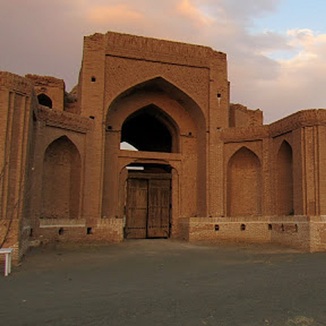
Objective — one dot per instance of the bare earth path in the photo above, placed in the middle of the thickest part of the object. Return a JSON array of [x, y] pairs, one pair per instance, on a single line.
[[161, 282]]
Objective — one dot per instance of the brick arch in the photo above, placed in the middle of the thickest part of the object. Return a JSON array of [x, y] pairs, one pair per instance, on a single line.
[[244, 184], [157, 86], [62, 135], [284, 180], [151, 129], [44, 100], [61, 180]]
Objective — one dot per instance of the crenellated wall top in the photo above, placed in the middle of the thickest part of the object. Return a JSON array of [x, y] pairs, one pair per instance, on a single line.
[[65, 120], [303, 118], [244, 134], [300, 119], [15, 82], [139, 47], [46, 81]]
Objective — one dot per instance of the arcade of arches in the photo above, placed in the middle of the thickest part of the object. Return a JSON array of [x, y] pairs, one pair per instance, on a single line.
[[148, 145]]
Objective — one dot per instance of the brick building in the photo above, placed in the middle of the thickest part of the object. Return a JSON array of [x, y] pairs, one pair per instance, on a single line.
[[204, 169]]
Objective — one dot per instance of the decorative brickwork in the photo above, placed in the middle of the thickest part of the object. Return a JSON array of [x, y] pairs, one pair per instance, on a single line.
[[63, 120], [15, 83], [157, 50]]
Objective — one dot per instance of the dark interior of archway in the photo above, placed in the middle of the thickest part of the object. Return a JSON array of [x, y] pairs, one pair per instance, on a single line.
[[45, 100], [146, 131]]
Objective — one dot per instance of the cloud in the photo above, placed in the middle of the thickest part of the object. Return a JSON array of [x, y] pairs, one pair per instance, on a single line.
[[117, 13], [309, 65], [307, 42], [300, 81], [195, 14], [279, 72]]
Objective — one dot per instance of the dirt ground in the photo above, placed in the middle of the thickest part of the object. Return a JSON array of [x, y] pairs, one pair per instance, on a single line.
[[162, 282]]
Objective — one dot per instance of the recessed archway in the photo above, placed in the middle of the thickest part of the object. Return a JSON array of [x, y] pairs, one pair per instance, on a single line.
[[284, 180], [61, 180], [244, 184], [150, 129]]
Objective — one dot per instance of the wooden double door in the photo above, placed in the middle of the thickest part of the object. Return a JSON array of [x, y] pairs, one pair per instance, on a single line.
[[148, 207]]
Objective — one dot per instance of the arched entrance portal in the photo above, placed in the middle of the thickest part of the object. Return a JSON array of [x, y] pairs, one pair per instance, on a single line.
[[148, 201], [159, 126]]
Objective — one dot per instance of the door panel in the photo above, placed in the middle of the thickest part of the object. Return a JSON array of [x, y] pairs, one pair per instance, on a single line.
[[158, 208], [136, 221]]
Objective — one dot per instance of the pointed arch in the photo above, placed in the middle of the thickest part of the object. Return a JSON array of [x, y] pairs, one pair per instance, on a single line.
[[157, 86], [244, 184], [61, 180], [150, 129], [44, 100], [284, 180]]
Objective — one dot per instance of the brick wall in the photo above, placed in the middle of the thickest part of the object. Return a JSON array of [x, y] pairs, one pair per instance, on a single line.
[[299, 232], [235, 229], [77, 231]]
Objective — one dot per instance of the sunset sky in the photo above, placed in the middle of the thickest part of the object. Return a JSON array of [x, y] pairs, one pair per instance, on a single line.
[[276, 48]]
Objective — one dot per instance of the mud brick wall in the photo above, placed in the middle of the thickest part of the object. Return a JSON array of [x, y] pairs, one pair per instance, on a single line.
[[52, 87], [76, 231], [317, 227], [229, 229], [291, 231], [17, 101], [183, 229]]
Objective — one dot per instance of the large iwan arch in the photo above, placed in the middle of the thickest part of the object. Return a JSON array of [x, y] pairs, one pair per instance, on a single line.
[[165, 125]]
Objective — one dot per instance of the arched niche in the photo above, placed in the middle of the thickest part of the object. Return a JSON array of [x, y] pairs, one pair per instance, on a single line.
[[44, 100], [61, 180], [244, 184], [284, 180]]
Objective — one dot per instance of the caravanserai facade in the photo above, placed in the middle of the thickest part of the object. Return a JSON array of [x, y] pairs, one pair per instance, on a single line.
[[204, 169]]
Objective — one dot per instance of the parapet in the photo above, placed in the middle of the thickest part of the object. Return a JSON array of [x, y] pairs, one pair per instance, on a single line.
[[15, 82], [241, 116], [140, 47], [46, 81]]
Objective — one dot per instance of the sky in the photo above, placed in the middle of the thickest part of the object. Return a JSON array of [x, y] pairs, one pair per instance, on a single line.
[[276, 49]]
